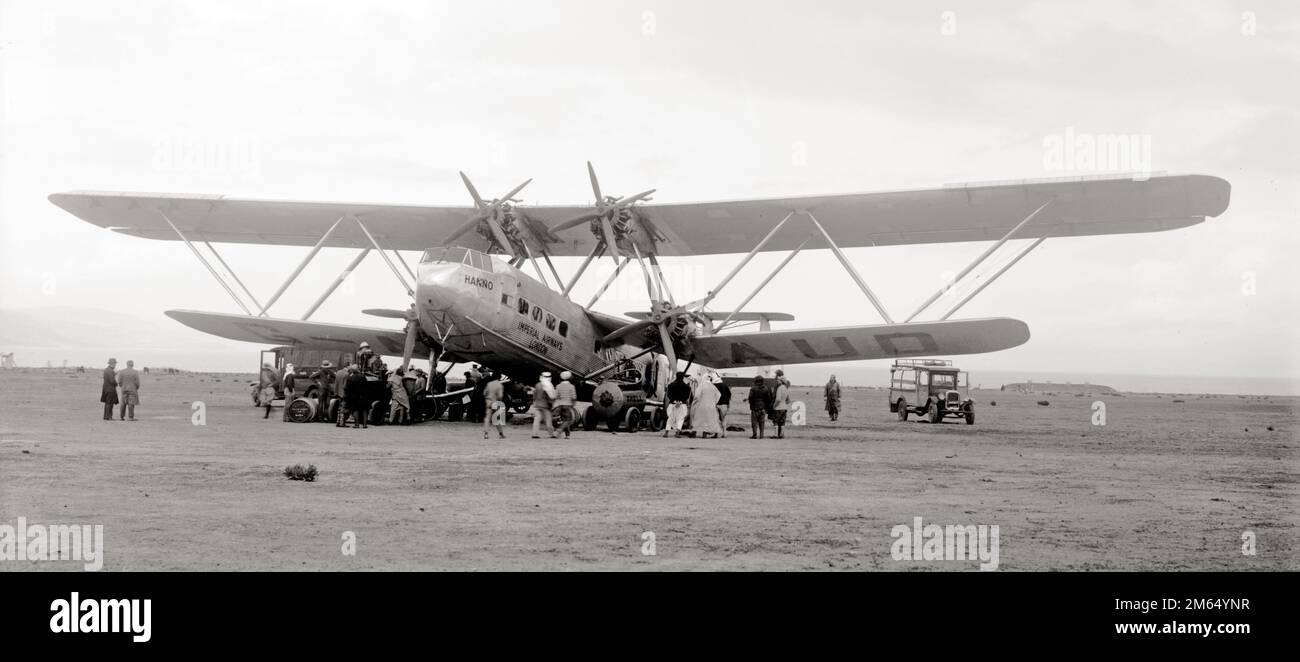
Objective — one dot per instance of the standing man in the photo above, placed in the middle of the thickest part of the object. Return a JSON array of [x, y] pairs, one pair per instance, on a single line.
[[704, 408], [324, 378], [108, 392], [543, 400], [354, 397], [833, 399], [678, 396], [760, 400], [565, 395], [494, 415], [129, 380], [289, 382], [724, 401], [780, 403], [399, 403], [268, 388]]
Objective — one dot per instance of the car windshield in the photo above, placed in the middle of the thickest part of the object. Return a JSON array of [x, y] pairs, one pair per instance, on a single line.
[[942, 380]]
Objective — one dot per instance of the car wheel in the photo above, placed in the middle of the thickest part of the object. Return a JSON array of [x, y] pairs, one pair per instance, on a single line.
[[902, 409], [633, 420], [934, 412]]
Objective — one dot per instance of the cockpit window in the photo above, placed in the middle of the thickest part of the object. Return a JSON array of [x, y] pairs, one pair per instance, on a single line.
[[452, 254], [478, 260]]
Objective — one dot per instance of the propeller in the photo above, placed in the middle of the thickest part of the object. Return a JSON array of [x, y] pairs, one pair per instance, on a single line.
[[606, 210], [412, 327], [489, 213]]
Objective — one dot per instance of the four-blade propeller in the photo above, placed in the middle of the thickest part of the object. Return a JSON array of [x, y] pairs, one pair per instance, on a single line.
[[606, 210]]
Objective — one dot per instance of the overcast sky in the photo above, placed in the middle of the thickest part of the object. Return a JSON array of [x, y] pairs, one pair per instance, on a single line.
[[701, 100]]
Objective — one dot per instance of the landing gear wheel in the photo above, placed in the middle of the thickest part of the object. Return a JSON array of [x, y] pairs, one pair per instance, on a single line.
[[589, 420], [332, 411], [632, 422], [902, 409], [376, 413], [934, 413]]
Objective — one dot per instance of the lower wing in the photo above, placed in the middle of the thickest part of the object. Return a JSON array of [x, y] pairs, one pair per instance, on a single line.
[[306, 335], [856, 343]]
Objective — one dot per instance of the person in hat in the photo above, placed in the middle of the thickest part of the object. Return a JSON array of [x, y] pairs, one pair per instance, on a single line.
[[543, 399], [399, 404], [679, 398], [780, 403], [355, 402], [266, 396], [108, 392], [724, 400], [565, 395], [289, 384], [324, 379], [494, 402], [129, 380], [760, 400], [704, 408], [832, 393]]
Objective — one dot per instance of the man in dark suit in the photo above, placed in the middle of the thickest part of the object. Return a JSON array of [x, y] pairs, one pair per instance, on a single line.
[[108, 392]]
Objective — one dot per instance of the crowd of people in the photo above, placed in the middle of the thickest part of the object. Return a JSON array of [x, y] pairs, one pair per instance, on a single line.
[[695, 404]]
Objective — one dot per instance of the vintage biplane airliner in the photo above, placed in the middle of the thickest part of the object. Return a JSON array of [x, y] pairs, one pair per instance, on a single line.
[[470, 304]]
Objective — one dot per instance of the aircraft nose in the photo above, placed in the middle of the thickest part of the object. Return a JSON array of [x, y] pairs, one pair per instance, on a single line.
[[435, 285]]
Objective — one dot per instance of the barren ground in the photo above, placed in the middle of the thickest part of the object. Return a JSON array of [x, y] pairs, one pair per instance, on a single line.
[[1164, 486]]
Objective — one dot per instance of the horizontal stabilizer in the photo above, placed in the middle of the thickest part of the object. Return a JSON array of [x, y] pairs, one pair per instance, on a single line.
[[301, 334], [857, 343]]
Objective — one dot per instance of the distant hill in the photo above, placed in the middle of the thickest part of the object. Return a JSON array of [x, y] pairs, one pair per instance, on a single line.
[[1066, 388], [72, 327]]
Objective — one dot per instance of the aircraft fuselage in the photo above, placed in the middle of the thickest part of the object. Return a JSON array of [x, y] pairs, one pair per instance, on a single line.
[[483, 309]]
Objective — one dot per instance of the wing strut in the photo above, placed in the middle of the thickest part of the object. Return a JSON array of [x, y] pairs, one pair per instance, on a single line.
[[221, 281], [387, 260], [302, 265], [848, 266], [763, 284], [347, 271], [999, 272], [950, 284]]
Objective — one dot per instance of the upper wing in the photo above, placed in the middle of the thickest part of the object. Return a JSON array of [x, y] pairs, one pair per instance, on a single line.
[[953, 213], [306, 335], [855, 343]]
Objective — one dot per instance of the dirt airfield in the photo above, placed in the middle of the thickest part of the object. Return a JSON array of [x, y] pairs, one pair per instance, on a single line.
[[1163, 485]]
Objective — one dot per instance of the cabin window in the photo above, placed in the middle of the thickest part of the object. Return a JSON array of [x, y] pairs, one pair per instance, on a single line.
[[550, 322], [505, 300], [564, 329], [523, 306], [537, 314]]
